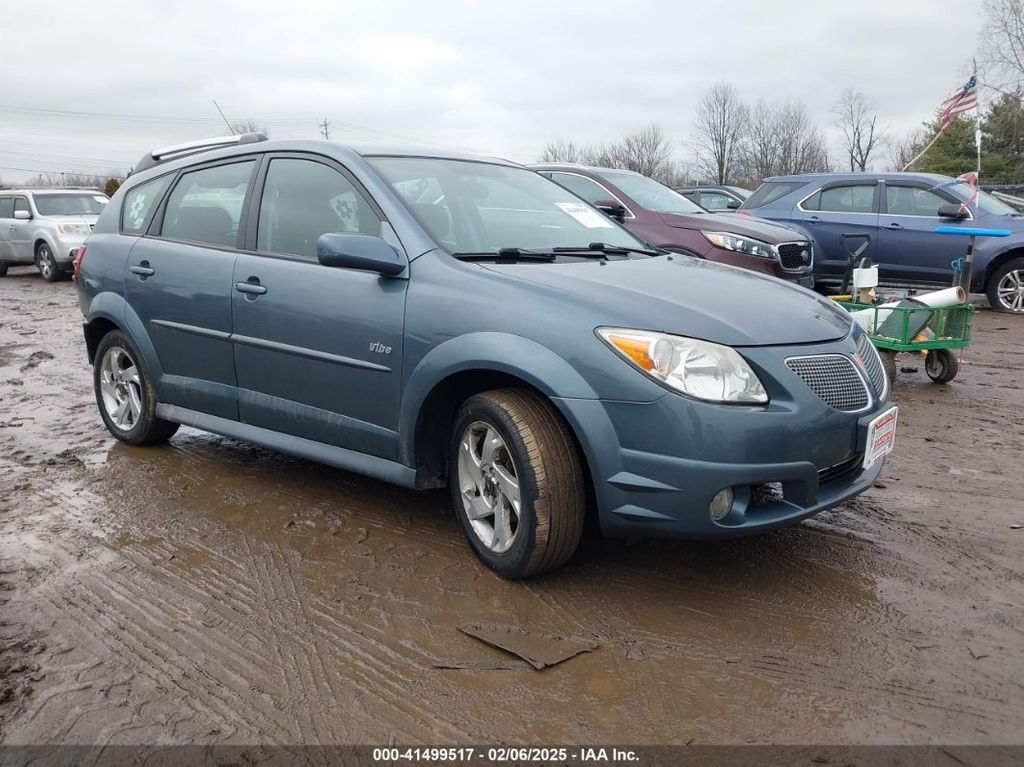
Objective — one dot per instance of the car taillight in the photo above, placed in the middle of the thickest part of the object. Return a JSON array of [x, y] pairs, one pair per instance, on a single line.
[[79, 257]]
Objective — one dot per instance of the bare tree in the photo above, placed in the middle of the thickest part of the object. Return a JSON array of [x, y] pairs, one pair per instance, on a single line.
[[647, 151], [721, 125], [1002, 43], [856, 118], [561, 150], [900, 151], [780, 140]]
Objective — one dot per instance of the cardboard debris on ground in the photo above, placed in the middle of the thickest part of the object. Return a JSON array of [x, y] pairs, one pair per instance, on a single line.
[[539, 650], [483, 665]]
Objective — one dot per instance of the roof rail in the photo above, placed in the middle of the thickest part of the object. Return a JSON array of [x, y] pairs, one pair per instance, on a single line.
[[158, 156]]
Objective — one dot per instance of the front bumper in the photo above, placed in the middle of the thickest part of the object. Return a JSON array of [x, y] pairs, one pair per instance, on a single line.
[[64, 249], [656, 466]]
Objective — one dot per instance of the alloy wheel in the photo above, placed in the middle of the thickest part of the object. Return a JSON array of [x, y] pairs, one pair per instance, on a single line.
[[46, 265], [489, 486], [1010, 291], [120, 388]]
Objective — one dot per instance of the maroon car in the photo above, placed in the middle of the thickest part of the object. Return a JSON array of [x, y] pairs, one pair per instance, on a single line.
[[665, 218]]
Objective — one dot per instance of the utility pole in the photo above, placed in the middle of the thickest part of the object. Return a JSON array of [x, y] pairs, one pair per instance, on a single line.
[[325, 129]]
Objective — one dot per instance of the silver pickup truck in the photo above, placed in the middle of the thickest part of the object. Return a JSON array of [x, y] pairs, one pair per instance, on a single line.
[[46, 226]]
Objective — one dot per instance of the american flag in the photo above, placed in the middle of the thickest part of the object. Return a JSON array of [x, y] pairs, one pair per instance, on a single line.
[[964, 100]]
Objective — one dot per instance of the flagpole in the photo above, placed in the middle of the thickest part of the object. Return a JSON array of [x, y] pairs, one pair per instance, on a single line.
[[977, 117], [923, 152]]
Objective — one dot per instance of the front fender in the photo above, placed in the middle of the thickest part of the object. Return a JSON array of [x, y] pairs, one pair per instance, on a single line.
[[494, 352]]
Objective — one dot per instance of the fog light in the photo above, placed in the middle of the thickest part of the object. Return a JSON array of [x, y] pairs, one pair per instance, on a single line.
[[721, 504]]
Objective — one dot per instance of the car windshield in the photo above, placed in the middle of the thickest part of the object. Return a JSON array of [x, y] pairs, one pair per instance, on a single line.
[[478, 207], [651, 195], [90, 204], [985, 201]]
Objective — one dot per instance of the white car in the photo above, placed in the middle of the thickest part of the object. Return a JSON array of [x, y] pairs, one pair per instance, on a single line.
[[46, 227]]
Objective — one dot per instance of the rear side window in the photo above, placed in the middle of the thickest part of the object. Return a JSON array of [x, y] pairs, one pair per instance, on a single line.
[[842, 199], [206, 205], [770, 191], [6, 207], [139, 203], [303, 199], [21, 203]]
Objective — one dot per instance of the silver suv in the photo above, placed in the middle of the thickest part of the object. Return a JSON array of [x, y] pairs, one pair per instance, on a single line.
[[46, 227]]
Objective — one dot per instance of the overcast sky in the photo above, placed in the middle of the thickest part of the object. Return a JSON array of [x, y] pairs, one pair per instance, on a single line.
[[500, 79]]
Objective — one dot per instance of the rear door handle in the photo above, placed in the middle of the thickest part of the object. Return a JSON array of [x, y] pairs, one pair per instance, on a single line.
[[143, 269], [252, 288], [813, 220], [894, 226]]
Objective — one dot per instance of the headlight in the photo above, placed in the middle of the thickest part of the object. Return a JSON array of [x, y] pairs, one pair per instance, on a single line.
[[73, 228], [697, 368], [728, 241]]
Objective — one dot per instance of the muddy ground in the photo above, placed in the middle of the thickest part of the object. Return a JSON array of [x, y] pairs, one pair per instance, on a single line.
[[212, 592]]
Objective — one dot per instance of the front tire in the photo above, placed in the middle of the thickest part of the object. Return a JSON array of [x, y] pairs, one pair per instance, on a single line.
[[1005, 288], [124, 393], [517, 482], [47, 264], [3, 268]]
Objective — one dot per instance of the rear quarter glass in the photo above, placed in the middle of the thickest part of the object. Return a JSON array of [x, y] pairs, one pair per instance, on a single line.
[[769, 192]]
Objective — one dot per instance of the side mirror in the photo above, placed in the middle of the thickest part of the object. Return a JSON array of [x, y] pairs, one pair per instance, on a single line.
[[359, 251], [953, 211], [612, 209], [733, 204], [22, 215]]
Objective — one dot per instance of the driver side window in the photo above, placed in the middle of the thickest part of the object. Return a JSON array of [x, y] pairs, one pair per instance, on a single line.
[[303, 199]]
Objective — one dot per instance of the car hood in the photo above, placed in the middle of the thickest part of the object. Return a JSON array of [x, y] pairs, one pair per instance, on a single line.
[[693, 297], [757, 228]]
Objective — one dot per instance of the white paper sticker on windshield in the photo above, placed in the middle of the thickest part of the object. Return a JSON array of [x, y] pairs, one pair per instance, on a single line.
[[589, 217], [102, 200]]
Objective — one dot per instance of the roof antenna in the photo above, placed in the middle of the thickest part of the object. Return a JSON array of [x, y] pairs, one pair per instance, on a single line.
[[230, 128]]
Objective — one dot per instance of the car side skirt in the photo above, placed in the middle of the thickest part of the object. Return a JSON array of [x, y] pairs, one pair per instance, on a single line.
[[360, 463]]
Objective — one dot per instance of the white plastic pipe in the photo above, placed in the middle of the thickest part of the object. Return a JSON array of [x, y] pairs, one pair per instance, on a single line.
[[936, 300]]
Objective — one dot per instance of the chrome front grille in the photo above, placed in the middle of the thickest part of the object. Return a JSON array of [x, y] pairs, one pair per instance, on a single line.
[[872, 363], [795, 256], [834, 378]]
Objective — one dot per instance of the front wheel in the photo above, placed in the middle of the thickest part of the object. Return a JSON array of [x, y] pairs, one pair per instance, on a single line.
[[1006, 287], [125, 394], [941, 365], [3, 268], [517, 482], [47, 264]]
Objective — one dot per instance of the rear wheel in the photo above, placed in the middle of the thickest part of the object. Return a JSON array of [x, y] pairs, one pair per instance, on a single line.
[[1006, 287], [3, 268], [941, 365], [125, 393], [46, 264], [516, 482]]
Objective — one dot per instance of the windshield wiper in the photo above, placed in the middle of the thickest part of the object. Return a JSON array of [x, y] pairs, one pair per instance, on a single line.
[[604, 248], [507, 255]]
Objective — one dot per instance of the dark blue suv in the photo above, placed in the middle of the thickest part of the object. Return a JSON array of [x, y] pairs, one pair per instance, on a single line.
[[432, 319], [900, 212]]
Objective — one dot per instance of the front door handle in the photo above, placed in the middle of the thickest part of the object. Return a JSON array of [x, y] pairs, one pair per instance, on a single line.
[[894, 226], [143, 269], [252, 287]]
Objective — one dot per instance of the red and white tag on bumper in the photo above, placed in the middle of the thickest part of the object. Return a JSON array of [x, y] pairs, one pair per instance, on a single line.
[[881, 437]]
